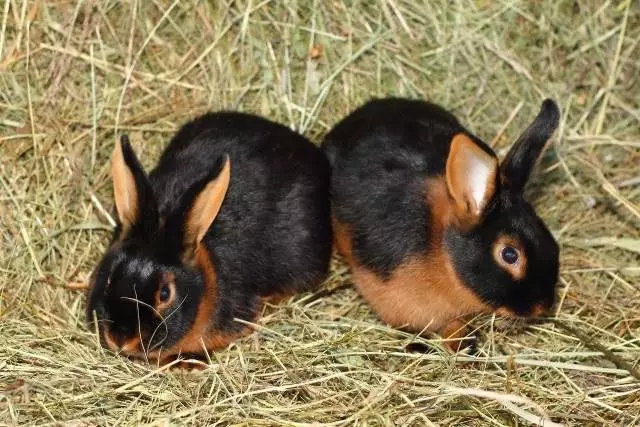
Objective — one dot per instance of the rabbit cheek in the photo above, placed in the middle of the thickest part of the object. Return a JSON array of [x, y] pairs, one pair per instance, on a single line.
[[191, 341], [202, 336]]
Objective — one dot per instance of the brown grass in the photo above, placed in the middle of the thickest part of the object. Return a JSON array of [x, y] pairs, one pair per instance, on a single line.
[[72, 75]]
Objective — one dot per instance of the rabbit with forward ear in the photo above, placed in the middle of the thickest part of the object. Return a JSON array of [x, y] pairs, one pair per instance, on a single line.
[[236, 212], [433, 226]]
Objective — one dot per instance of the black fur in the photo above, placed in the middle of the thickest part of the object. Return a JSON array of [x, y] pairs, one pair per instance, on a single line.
[[472, 256], [272, 234], [149, 221], [520, 161], [381, 156]]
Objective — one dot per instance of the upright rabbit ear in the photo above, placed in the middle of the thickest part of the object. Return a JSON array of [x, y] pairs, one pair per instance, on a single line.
[[135, 203], [523, 156], [471, 175], [207, 204]]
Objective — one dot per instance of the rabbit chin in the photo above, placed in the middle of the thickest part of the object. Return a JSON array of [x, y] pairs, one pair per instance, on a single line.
[[130, 347], [536, 311]]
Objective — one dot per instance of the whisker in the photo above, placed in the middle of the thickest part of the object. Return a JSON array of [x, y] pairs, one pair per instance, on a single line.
[[137, 301], [164, 322], [144, 351]]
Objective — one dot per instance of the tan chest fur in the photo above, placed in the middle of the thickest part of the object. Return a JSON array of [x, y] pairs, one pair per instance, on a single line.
[[421, 294]]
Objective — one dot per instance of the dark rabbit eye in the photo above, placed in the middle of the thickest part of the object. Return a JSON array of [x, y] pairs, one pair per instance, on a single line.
[[165, 293], [509, 255]]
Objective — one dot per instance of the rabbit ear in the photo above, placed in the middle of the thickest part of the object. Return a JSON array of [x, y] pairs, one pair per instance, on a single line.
[[132, 191], [207, 203], [519, 162], [471, 175]]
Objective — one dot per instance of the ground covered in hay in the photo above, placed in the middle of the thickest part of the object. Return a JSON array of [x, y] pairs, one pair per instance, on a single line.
[[74, 74]]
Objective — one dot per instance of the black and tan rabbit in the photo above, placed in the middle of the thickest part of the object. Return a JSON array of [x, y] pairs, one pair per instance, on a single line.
[[236, 212], [432, 225]]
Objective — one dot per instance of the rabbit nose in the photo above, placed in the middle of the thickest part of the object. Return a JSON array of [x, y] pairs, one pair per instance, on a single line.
[[124, 345]]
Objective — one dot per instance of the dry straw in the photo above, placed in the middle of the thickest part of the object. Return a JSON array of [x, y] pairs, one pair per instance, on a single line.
[[72, 73]]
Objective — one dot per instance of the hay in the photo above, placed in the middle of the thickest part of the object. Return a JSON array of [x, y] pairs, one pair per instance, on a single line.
[[72, 74]]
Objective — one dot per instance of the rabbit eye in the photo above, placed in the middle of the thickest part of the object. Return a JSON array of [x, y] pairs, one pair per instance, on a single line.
[[509, 255], [165, 293]]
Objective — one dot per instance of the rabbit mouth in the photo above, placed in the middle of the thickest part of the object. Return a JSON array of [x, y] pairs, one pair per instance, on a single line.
[[128, 346], [536, 311], [124, 345]]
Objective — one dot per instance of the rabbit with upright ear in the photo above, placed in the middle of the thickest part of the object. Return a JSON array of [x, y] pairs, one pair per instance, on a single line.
[[433, 227], [236, 212]]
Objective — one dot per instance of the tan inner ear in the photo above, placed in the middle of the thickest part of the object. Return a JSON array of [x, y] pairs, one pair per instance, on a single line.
[[124, 188], [207, 205], [471, 176]]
